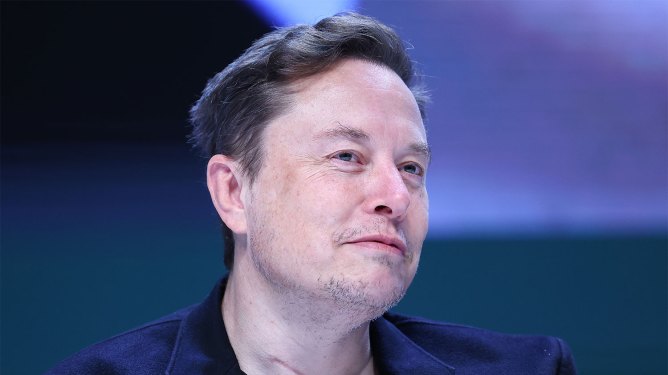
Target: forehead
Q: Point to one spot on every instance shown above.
(356, 93)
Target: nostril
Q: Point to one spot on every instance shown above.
(383, 209)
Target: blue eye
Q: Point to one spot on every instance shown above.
(345, 156)
(412, 169)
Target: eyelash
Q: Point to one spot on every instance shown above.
(357, 159)
(352, 154)
(418, 168)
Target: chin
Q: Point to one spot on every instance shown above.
(367, 296)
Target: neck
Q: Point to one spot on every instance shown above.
(285, 333)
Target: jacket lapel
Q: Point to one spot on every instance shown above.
(394, 353)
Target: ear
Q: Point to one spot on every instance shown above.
(225, 181)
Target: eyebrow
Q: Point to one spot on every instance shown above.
(421, 148)
(343, 131)
(354, 134)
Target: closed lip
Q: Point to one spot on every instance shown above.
(393, 241)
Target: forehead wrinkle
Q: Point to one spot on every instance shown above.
(343, 131)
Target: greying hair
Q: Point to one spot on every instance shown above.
(237, 103)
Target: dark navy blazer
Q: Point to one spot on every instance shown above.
(194, 341)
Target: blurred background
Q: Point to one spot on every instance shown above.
(548, 187)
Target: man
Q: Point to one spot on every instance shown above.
(318, 158)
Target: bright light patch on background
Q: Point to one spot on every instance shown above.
(290, 12)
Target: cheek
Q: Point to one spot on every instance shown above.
(296, 200)
(417, 222)
(325, 187)
(420, 210)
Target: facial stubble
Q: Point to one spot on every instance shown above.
(325, 295)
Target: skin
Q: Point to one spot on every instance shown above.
(328, 236)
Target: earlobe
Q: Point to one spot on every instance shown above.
(224, 181)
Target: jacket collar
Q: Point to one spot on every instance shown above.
(395, 353)
(202, 345)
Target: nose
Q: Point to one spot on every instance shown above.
(387, 193)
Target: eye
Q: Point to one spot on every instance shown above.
(347, 156)
(412, 168)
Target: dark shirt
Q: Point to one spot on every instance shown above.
(194, 341)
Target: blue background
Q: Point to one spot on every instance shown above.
(548, 187)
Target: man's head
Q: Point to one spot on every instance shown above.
(237, 104)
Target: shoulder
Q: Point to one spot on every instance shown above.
(144, 350)
(480, 351)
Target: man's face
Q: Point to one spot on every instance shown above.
(339, 209)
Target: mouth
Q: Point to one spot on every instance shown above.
(381, 242)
